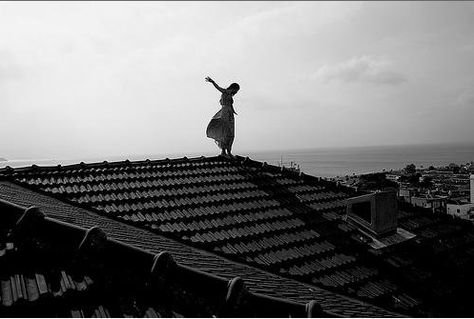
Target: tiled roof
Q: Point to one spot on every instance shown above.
(246, 211)
(50, 268)
(258, 282)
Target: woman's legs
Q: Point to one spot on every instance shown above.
(221, 145)
(226, 148)
(229, 147)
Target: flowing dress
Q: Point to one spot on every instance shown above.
(221, 128)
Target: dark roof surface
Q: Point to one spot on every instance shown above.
(273, 219)
(247, 211)
(257, 281)
(53, 269)
(50, 268)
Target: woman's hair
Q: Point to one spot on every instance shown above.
(234, 86)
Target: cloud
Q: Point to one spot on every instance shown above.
(9, 69)
(465, 99)
(292, 19)
(368, 69)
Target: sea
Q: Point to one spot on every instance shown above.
(322, 162)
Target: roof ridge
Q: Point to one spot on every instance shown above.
(237, 159)
(8, 169)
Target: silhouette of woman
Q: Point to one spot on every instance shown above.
(221, 128)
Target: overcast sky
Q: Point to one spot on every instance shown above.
(96, 79)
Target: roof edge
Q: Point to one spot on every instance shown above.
(290, 307)
(8, 169)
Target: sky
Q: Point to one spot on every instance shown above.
(84, 79)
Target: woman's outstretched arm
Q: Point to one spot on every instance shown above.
(208, 79)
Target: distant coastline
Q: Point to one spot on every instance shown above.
(3, 159)
(370, 147)
(341, 161)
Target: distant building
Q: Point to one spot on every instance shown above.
(471, 178)
(406, 193)
(436, 204)
(392, 177)
(461, 210)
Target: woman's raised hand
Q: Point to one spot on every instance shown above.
(208, 79)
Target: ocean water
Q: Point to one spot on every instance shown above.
(324, 162)
(330, 162)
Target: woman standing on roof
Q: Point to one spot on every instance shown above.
(221, 128)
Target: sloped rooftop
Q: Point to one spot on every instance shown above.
(255, 214)
(257, 281)
(51, 268)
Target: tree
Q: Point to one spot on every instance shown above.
(427, 182)
(454, 167)
(410, 169)
(375, 181)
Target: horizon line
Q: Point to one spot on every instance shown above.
(210, 153)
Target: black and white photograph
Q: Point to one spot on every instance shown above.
(242, 159)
